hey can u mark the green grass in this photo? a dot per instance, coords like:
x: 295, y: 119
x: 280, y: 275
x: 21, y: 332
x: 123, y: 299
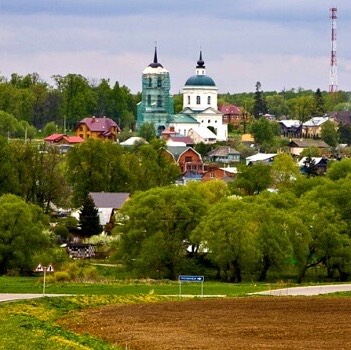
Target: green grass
x: 128, y: 287
x: 31, y: 324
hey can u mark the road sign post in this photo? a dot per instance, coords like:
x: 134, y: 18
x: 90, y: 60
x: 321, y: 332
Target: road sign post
x: 189, y: 278
x: 44, y: 269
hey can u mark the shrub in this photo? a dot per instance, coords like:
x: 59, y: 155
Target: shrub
x: 61, y: 276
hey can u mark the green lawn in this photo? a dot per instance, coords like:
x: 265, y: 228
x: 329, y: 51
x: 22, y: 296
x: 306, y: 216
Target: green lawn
x: 128, y: 287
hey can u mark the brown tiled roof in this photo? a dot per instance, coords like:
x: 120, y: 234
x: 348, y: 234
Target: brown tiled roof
x: 308, y: 143
x: 222, y: 151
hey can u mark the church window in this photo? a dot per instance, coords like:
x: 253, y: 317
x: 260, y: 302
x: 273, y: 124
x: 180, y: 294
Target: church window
x: 150, y: 82
x: 198, y: 100
x: 188, y: 100
x: 209, y: 100
x: 149, y: 100
x: 159, y: 82
x: 159, y: 101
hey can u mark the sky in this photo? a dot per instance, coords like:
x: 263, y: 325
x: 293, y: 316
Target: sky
x: 284, y: 44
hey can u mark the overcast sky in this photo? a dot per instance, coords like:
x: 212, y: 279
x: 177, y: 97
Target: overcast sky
x: 281, y: 43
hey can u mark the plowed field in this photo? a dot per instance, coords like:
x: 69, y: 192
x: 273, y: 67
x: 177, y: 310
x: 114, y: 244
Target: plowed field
x: 222, y: 324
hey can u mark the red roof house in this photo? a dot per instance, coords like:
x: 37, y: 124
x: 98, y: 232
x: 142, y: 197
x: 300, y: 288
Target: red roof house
x: 60, y: 139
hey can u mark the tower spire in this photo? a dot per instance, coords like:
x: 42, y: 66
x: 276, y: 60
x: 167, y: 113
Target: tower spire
x: 155, y: 63
x: 200, y: 62
x: 155, y: 55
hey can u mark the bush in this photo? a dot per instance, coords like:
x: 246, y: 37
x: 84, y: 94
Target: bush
x: 61, y: 276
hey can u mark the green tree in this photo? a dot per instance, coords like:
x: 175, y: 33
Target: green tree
x: 252, y: 179
x: 8, y: 124
x: 284, y: 171
x: 89, y: 220
x: 21, y: 234
x: 156, y: 234
x: 323, y: 239
x: 272, y: 229
x: 147, y: 131
x: 39, y: 177
x: 319, y: 103
x: 96, y: 166
x: 264, y: 131
x: 302, y: 107
x: 78, y: 99
x: 339, y: 169
x: 227, y: 234
x: 329, y: 134
x: 49, y: 129
x: 260, y: 106
x: 344, y: 132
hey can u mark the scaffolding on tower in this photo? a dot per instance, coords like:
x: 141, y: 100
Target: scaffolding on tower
x: 333, y: 74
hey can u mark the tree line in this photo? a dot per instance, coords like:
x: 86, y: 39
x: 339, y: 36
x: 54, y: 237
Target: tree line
x: 31, y: 103
x: 243, y: 230
x: 69, y: 99
x: 40, y: 175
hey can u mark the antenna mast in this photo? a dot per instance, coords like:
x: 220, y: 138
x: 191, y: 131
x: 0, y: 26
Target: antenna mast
x: 333, y: 75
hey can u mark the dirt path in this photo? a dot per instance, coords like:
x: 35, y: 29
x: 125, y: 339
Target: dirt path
x: 240, y: 323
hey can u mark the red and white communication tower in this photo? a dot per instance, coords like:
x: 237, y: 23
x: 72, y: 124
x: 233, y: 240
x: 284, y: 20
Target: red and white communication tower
x: 333, y: 75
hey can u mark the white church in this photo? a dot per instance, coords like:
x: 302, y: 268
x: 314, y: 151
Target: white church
x: 199, y: 118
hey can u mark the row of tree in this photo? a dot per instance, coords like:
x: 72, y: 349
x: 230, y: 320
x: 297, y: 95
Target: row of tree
x: 168, y: 231
x: 73, y: 97
x: 41, y: 175
x: 70, y: 99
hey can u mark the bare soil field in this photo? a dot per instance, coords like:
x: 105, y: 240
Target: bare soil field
x: 222, y: 324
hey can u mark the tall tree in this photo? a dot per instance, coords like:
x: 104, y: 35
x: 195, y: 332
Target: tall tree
x: 21, y: 234
x: 89, y: 220
x: 156, y: 234
x: 260, y: 106
x: 319, y: 103
x: 228, y: 236
x: 329, y: 133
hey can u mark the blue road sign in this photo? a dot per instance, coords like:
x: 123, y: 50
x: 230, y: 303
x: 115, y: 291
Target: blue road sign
x: 186, y: 278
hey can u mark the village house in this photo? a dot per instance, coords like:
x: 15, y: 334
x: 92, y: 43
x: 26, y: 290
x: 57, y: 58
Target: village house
x: 223, y: 154
x: 97, y: 128
x: 297, y: 146
x: 62, y: 139
x: 312, y: 128
x: 108, y: 204
x: 290, y: 128
x: 231, y: 115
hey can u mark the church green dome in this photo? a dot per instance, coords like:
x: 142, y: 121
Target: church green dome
x: 200, y: 80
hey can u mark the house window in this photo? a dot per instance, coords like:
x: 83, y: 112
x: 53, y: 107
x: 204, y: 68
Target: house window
x: 188, y: 159
x: 188, y: 100
x: 149, y: 100
x: 212, y: 175
x: 80, y: 128
x: 159, y: 82
x: 198, y: 100
x: 150, y: 82
x: 159, y: 101
x: 209, y: 100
